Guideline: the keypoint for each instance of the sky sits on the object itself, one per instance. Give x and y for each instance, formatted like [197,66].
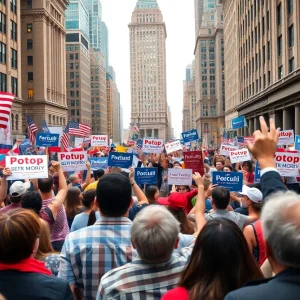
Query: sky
[179,18]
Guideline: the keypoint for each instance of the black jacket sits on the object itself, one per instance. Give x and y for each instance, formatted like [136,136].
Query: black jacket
[15,285]
[271,182]
[159,174]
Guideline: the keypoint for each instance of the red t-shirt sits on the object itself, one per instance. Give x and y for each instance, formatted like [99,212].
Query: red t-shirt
[179,293]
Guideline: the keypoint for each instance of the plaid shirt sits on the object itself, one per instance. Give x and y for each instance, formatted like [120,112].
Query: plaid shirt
[90,252]
[139,280]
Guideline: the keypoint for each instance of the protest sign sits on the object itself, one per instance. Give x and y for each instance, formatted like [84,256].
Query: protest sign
[286,137]
[72,161]
[190,136]
[257,172]
[173,146]
[239,122]
[239,155]
[153,145]
[27,166]
[287,163]
[224,149]
[194,160]
[180,176]
[118,159]
[297,142]
[98,163]
[78,141]
[99,140]
[146,175]
[233,181]
[47,139]
[135,161]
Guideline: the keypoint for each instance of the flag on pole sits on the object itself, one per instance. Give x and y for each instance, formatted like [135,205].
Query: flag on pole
[80,129]
[135,128]
[6,101]
[65,139]
[32,130]
[45,128]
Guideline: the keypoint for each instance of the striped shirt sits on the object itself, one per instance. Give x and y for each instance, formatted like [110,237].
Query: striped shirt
[139,280]
[90,252]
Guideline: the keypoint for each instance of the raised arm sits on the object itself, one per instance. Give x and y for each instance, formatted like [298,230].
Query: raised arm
[3,186]
[88,176]
[136,189]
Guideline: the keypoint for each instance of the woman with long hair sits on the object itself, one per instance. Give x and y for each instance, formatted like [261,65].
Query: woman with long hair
[73,204]
[211,273]
[152,194]
[247,169]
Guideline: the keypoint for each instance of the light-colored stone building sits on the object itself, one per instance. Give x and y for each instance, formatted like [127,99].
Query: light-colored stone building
[44,61]
[148,34]
[263,38]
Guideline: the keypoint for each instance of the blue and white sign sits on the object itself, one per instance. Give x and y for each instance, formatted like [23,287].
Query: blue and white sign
[98,163]
[257,172]
[118,159]
[190,136]
[239,122]
[233,181]
[47,139]
[145,175]
[297,142]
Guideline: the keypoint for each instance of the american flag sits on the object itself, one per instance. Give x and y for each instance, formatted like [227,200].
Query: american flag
[135,128]
[6,101]
[32,130]
[79,129]
[65,139]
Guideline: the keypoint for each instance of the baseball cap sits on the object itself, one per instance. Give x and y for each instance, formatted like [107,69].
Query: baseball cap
[19,188]
[175,201]
[253,194]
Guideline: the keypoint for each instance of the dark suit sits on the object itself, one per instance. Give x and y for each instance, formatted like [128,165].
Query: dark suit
[271,182]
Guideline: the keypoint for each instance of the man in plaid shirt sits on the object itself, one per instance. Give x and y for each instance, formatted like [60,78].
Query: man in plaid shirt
[91,252]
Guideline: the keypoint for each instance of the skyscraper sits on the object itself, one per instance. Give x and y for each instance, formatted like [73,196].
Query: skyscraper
[201,7]
[148,70]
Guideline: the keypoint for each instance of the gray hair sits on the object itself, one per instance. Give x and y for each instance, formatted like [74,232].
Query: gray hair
[281,227]
[154,233]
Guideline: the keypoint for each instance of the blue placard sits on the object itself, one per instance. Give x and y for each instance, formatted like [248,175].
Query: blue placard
[190,136]
[257,172]
[146,175]
[297,142]
[239,122]
[139,143]
[47,139]
[98,163]
[118,159]
[233,181]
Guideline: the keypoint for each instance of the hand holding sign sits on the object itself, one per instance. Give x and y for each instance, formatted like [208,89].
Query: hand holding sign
[6,172]
[199,180]
[55,165]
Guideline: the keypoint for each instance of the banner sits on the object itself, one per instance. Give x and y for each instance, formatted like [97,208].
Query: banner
[190,136]
[224,149]
[287,163]
[286,137]
[297,142]
[99,140]
[194,160]
[47,139]
[122,160]
[27,167]
[72,161]
[153,145]
[233,181]
[98,163]
[239,122]
[257,172]
[173,146]
[239,155]
[180,176]
[146,175]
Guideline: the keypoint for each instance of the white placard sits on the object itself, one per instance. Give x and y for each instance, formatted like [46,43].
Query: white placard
[135,161]
[78,141]
[180,176]
[153,145]
[173,146]
[57,130]
[286,137]
[27,166]
[99,140]
[287,163]
[239,155]
[72,161]
[224,149]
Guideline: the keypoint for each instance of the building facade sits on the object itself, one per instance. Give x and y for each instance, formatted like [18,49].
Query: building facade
[148,34]
[268,48]
[209,75]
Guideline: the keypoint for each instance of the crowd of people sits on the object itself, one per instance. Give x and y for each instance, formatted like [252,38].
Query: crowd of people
[103,236]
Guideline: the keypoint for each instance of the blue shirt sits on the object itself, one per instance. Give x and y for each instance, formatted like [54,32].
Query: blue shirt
[81,220]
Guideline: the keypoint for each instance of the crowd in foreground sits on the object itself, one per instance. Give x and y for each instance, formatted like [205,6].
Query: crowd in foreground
[69,238]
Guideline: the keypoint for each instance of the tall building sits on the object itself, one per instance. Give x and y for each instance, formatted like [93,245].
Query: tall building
[44,61]
[268,58]
[121,124]
[209,74]
[98,93]
[148,34]
[78,62]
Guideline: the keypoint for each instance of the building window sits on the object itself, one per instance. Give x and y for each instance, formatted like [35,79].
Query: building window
[291,65]
[17,122]
[290,7]
[268,20]
[13,30]
[14,86]
[12,122]
[264,54]
[280,72]
[269,50]
[2,23]
[263,26]
[291,35]
[29,28]
[29,60]
[279,45]
[2,53]
[30,76]
[30,96]
[203,49]
[279,14]
[13,6]
[29,44]
[29,4]
[3,82]
[14,58]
